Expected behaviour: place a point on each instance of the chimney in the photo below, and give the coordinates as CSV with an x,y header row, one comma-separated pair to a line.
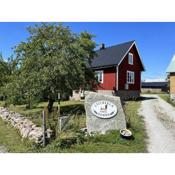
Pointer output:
x,y
102,46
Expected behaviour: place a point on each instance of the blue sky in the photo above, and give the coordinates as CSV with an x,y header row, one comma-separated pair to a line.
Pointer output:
x,y
155,41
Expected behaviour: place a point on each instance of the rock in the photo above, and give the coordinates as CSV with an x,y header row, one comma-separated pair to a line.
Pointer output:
x,y
3,149
26,127
62,121
25,132
103,113
83,129
49,133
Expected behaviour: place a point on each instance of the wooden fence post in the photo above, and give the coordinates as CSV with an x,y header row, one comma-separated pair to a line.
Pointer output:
x,y
44,128
59,120
60,124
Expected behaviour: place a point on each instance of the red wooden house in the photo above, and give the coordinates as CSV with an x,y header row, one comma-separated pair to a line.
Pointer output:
x,y
118,70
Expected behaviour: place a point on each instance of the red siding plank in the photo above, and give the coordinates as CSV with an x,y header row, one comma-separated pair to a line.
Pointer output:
x,y
109,79
136,68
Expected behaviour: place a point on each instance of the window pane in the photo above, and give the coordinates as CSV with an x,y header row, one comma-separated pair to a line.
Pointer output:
x,y
130,77
99,75
130,58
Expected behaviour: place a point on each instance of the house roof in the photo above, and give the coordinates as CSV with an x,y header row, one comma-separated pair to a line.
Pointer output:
x,y
111,56
171,67
154,84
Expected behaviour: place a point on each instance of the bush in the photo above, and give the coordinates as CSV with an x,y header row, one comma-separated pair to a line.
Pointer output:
x,y
67,143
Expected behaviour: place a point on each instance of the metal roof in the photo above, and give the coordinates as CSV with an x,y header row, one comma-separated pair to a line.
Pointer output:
x,y
154,84
111,56
171,67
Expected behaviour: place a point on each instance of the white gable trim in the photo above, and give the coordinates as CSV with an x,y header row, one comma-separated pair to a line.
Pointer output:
x,y
117,67
127,53
140,56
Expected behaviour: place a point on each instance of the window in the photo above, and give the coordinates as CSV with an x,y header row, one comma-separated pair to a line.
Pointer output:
x,y
99,75
130,58
130,77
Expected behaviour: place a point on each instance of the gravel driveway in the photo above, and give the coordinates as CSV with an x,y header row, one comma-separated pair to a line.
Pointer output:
x,y
159,119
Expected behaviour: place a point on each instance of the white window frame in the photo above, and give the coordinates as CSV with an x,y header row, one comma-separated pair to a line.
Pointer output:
x,y
130,58
130,77
98,77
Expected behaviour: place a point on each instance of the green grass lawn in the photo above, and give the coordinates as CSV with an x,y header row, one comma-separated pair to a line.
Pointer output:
x,y
111,142
108,143
35,113
2,103
166,97
11,140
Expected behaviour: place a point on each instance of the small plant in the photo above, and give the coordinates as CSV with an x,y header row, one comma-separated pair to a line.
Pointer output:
x,y
128,122
67,142
80,138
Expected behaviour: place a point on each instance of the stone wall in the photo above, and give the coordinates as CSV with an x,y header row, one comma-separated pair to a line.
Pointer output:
x,y
75,95
26,127
125,94
105,92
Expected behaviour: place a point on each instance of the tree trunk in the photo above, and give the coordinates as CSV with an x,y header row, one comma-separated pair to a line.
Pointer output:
x,y
50,105
29,106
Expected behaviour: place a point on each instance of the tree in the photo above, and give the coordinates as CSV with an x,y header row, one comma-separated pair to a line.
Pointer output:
x,y
6,68
53,60
3,71
7,72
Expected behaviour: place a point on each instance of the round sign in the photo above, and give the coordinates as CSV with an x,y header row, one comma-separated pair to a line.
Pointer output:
x,y
104,109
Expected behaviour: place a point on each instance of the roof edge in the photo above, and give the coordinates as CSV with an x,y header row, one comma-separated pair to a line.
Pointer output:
x,y
134,43
107,66
116,45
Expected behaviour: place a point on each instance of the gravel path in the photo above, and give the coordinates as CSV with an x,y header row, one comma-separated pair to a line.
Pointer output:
x,y
159,119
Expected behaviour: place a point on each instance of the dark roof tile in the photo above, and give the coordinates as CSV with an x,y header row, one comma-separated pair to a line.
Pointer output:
x,y
111,55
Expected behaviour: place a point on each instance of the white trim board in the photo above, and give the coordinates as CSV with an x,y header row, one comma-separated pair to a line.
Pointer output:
x,y
117,67
100,71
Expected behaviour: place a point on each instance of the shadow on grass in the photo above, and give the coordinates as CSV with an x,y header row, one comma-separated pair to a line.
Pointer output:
x,y
73,109
142,99
145,98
